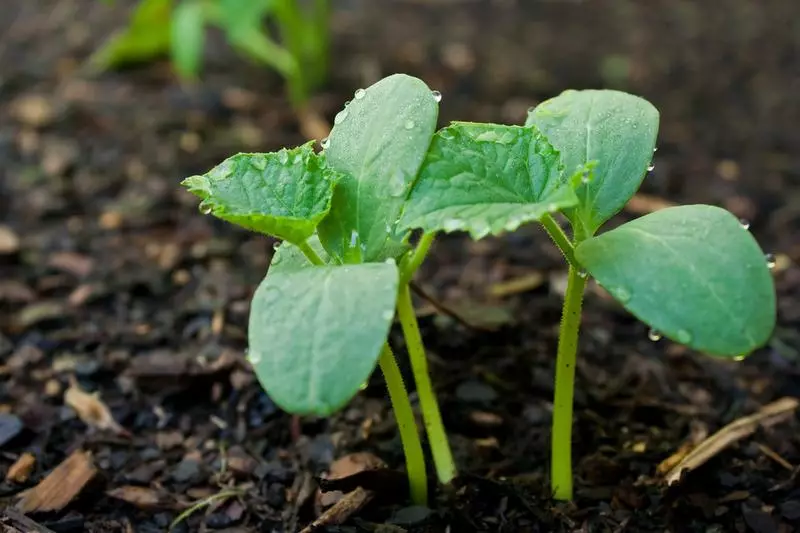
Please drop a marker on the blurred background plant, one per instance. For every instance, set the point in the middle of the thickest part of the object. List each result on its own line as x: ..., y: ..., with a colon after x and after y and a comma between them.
x: 289, y: 36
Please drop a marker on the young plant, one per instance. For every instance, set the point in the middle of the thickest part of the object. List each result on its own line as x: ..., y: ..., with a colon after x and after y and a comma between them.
x: 692, y: 273
x: 160, y: 27
x: 320, y: 319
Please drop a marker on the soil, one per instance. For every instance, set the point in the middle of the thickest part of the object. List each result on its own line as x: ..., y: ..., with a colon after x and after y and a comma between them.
x: 112, y: 282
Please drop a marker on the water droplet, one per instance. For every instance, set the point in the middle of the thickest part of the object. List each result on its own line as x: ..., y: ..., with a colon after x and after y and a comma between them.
x: 436, y: 96
x: 205, y: 208
x: 740, y: 357
x: 388, y: 315
x: 283, y: 157
x: 276, y: 245
x: 353, y: 238
x: 622, y: 294
x: 585, y: 178
x: 347, y: 103
x: 259, y: 161
x: 530, y: 109
x: 409, y: 125
x: 770, y: 258
x: 451, y: 224
x: 651, y: 167
x: 359, y: 94
x: 276, y: 259
x: 655, y: 149
x: 325, y: 143
x: 397, y: 184
x: 683, y: 336
x: 390, y: 261
x: 654, y: 335
x: 583, y: 274
x: 744, y: 223
x: 340, y: 116
x: 254, y: 357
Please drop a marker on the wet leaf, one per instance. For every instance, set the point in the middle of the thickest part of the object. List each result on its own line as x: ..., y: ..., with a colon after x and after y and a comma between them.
x: 379, y: 142
x: 316, y: 333
x: 690, y: 272
x: 615, y: 129
x: 284, y: 194
x: 487, y: 179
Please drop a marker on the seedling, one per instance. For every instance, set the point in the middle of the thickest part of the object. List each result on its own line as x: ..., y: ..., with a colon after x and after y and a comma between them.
x: 319, y: 321
x: 160, y: 27
x: 692, y: 273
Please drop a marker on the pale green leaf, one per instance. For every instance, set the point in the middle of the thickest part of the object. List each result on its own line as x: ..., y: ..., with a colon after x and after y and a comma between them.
x: 690, y: 272
x: 188, y: 37
x: 284, y: 194
x: 613, y: 128
x: 378, y: 141
x: 486, y: 179
x: 316, y: 333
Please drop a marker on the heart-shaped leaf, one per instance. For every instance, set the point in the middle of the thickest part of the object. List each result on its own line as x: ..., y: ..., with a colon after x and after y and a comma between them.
x: 379, y: 141
x: 486, y: 179
x: 690, y: 272
x: 316, y: 333
x: 615, y: 129
x: 284, y: 194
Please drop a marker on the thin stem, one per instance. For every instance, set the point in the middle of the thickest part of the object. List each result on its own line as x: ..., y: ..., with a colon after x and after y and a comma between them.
x: 560, y: 239
x: 310, y: 254
x: 561, y: 443
x: 407, y: 425
x: 437, y: 438
x: 413, y: 261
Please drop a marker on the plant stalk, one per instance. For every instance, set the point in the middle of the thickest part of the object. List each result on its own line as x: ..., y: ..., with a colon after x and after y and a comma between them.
x: 561, y: 443
x: 437, y: 438
x: 560, y: 239
x: 407, y: 425
x: 412, y: 261
x: 310, y: 254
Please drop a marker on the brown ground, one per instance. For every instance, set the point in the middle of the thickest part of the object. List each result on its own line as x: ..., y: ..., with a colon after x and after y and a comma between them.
x: 108, y: 273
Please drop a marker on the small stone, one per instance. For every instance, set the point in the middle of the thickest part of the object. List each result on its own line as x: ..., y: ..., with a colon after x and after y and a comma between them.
x: 414, y: 515
x: 9, y: 242
x: 10, y: 427
x: 33, y: 110
x: 474, y: 391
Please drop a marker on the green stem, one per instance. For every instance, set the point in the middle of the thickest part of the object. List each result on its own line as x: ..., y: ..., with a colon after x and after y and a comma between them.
x: 310, y: 254
x: 412, y: 262
x: 560, y: 239
x: 437, y: 438
x: 407, y: 425
x: 561, y: 443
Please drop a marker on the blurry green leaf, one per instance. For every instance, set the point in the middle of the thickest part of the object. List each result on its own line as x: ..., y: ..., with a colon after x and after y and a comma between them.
x: 690, y: 272
x: 147, y: 37
x: 284, y: 194
x: 486, y: 179
x: 316, y: 333
x: 379, y: 142
x: 615, y: 129
x: 188, y: 37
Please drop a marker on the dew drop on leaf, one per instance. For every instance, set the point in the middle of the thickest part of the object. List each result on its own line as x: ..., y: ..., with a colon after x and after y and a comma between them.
x: 530, y: 109
x: 585, y: 178
x: 651, y: 167
x: 347, y: 103
x: 655, y: 149
x: 683, y: 336
x: 622, y: 294
x: 364, y: 386
x: 583, y: 274
x: 744, y: 223
x: 436, y: 96
x: 388, y: 314
x: 283, y: 157
x: 260, y: 161
x: 409, y: 125
x: 205, y: 208
x: 325, y: 143
x: 770, y: 258
x: 654, y: 335
x: 276, y: 245
x: 340, y: 116
x: 254, y: 357
x: 359, y: 94
x: 740, y: 357
x: 397, y: 184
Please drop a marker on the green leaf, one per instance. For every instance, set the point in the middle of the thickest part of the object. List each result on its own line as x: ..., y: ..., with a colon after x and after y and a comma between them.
x: 289, y: 258
x: 284, y: 194
x: 379, y: 141
x: 316, y: 333
x: 690, y: 272
x: 486, y: 179
x: 188, y: 37
x: 147, y: 37
x: 613, y: 128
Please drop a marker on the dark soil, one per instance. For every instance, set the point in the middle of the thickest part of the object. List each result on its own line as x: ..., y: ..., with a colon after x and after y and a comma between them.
x: 109, y: 274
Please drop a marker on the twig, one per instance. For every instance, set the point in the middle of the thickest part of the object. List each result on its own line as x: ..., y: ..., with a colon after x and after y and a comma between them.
x: 767, y: 416
x: 444, y: 309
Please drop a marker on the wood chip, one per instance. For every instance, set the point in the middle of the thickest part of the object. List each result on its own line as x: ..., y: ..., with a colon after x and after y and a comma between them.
x: 60, y: 486
x: 92, y: 410
x: 769, y: 415
x: 9, y: 242
x: 21, y: 470
x: 143, y: 497
x: 510, y: 287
